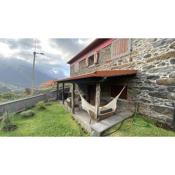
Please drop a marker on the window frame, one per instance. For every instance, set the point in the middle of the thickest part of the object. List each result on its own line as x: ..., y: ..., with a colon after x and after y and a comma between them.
x: 90, y: 65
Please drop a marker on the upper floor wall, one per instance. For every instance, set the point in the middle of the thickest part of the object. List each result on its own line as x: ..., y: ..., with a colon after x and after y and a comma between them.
x: 118, y: 52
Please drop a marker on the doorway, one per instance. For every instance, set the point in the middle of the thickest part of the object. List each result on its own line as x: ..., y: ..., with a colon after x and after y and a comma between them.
x: 91, y: 94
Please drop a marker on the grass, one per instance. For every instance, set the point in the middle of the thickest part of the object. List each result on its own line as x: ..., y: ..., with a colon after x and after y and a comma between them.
x: 137, y: 126
x: 53, y: 121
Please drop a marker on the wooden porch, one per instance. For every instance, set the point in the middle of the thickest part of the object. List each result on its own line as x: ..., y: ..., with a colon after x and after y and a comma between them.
x: 94, y: 116
x: 96, y: 128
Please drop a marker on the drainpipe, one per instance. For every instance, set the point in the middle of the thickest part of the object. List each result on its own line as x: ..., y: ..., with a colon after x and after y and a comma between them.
x: 130, y: 49
x: 130, y: 45
x: 173, y: 122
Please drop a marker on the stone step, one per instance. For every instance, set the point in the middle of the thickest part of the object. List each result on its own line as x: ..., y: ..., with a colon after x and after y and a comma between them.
x: 99, y: 127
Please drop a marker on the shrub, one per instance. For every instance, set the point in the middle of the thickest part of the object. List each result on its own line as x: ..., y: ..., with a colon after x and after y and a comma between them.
x: 9, y: 96
x: 48, y: 103
x: 41, y: 105
x: 6, y: 124
x: 28, y: 91
x: 28, y: 113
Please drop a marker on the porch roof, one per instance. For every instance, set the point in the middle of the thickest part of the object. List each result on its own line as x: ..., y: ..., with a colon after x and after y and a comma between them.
x: 100, y: 74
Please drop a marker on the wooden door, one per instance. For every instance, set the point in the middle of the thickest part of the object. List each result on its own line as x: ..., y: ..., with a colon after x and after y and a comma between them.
x: 91, y: 94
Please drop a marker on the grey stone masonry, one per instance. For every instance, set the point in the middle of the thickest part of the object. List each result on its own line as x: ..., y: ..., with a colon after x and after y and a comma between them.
x: 154, y: 86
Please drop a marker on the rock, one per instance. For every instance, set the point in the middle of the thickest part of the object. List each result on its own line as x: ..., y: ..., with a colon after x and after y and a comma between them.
x: 172, y: 75
x: 163, y: 41
x: 28, y: 113
x: 166, y: 81
x: 147, y: 88
x: 147, y: 55
x: 144, y: 100
x: 172, y: 46
x: 159, y: 94
x: 171, y: 88
x: 172, y: 61
x: 161, y: 64
x: 159, y: 43
x: 148, y: 67
x: 171, y: 96
x: 153, y: 77
x: 165, y: 69
x: 163, y: 110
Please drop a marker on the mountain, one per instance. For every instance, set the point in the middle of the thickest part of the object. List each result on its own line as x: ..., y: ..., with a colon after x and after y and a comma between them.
x: 19, y: 73
x: 4, y: 88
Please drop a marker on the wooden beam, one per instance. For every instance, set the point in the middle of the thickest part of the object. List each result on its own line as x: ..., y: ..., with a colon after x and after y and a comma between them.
x: 97, y: 99
x: 63, y: 93
x: 57, y: 91
x: 73, y: 98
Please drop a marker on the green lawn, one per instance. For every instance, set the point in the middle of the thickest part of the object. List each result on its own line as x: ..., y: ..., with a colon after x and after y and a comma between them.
x: 54, y: 121
x: 137, y: 126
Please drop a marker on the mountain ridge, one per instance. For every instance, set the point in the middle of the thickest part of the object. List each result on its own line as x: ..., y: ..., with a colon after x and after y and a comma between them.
x: 19, y: 73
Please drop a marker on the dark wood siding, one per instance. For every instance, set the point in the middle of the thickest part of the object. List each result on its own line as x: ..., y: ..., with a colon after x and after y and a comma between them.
x: 119, y: 47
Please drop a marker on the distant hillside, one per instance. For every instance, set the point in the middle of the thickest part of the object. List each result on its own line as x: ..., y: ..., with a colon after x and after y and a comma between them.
x: 5, y: 88
x: 18, y: 73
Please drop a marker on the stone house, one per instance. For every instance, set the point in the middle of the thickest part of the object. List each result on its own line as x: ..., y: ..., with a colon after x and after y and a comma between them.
x: 144, y: 67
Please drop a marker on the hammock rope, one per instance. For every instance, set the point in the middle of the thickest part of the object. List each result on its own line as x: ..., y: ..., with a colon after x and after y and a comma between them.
x: 111, y: 105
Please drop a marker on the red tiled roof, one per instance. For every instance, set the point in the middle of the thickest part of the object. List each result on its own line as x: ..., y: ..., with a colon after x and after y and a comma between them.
x: 48, y: 83
x: 101, y: 74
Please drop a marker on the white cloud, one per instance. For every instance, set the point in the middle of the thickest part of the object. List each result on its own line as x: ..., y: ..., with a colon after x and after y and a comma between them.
x: 85, y: 42
x: 57, y: 51
x: 5, y: 51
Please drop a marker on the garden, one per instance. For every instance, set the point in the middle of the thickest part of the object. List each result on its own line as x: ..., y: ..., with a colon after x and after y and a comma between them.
x: 51, y: 119
x: 45, y: 119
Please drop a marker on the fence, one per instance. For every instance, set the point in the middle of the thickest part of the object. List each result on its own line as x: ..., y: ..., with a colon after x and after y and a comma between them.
x: 22, y: 104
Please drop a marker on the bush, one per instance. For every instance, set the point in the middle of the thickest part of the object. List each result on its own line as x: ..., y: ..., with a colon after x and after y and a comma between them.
x: 6, y: 124
x: 28, y: 113
x: 9, y: 96
x: 48, y: 103
x: 28, y: 91
x: 41, y: 105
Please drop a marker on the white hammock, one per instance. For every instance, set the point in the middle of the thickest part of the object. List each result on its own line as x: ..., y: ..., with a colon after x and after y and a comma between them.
x: 111, y: 105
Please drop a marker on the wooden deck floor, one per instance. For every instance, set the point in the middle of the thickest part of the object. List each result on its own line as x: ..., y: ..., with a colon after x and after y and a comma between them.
x: 96, y: 128
x: 107, y: 123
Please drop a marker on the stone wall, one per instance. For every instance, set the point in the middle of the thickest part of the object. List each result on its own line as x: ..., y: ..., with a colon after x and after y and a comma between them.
x: 25, y: 103
x: 154, y: 86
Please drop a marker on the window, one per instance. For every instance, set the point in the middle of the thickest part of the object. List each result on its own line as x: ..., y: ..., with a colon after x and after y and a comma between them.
x: 91, y: 60
x: 120, y: 47
x: 96, y: 58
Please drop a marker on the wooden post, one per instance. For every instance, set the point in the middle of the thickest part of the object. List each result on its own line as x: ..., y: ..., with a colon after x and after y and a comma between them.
x: 57, y: 91
x: 97, y: 99
x: 63, y: 93
x: 73, y: 98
